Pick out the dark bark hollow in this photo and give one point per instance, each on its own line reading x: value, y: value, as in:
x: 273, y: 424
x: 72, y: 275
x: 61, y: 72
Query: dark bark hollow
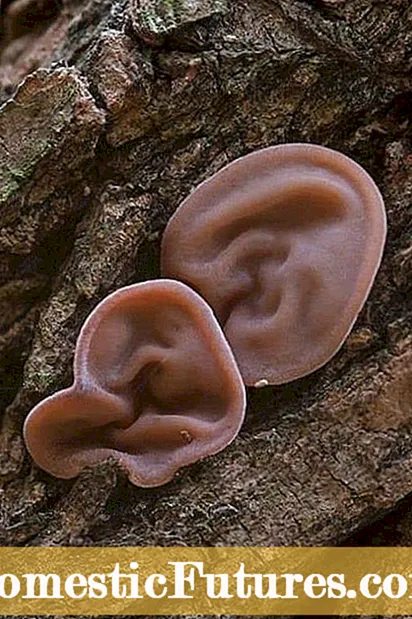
x: 127, y: 106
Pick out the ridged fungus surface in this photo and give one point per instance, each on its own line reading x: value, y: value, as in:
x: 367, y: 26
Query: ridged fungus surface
x: 284, y: 244
x: 155, y: 385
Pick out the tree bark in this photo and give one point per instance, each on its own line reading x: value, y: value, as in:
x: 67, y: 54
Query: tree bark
x: 127, y: 105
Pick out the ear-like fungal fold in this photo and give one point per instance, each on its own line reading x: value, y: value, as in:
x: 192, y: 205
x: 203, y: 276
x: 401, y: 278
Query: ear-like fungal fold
x: 284, y: 244
x: 156, y: 386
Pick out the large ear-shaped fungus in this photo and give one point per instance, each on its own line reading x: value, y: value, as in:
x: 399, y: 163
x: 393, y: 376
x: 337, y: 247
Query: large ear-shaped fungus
x: 284, y: 244
x: 155, y: 385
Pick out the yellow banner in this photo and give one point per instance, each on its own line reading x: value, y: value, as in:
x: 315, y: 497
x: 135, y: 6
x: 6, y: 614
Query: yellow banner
x: 206, y: 581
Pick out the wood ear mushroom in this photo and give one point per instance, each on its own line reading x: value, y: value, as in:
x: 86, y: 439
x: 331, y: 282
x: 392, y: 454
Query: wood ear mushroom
x: 155, y: 385
x: 284, y: 244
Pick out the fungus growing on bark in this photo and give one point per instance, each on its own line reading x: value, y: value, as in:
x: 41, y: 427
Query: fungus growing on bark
x: 155, y: 385
x: 284, y: 244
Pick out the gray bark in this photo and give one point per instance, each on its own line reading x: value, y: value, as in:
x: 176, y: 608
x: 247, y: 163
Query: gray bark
x: 131, y: 104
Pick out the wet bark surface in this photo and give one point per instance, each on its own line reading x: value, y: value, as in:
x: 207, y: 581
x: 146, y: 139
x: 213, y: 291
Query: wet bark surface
x: 124, y: 107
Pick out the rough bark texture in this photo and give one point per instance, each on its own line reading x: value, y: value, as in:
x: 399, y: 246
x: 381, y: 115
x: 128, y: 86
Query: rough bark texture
x: 128, y: 104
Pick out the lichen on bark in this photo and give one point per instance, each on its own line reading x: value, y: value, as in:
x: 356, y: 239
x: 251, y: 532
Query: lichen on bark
x: 162, y: 17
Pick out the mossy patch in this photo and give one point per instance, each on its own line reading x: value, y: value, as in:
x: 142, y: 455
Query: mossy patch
x: 164, y: 16
x: 38, y: 122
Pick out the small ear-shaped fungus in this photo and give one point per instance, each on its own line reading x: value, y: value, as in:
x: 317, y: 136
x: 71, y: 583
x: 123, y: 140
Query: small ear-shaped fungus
x: 155, y: 385
x: 284, y: 244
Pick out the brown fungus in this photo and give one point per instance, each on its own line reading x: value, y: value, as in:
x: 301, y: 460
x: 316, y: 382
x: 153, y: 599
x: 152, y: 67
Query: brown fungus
x: 155, y: 385
x: 284, y: 244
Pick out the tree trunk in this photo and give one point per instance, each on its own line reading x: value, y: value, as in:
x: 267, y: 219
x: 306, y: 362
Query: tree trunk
x: 129, y: 104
